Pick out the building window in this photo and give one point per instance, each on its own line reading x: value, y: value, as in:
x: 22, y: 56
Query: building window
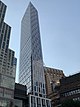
x: 3, y: 45
x: 43, y: 91
x: 38, y: 102
x: 43, y: 103
x: 47, y: 103
x: 34, y: 88
x: 77, y: 91
x: 33, y: 101
x: 36, y: 83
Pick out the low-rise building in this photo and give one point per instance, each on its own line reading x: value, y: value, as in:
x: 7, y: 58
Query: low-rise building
x: 22, y: 99
x: 52, y: 77
x: 70, y: 87
x: 20, y: 95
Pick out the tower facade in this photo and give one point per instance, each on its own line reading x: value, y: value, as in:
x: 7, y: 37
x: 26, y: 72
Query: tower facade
x: 31, y: 71
x: 7, y: 62
x: 31, y: 60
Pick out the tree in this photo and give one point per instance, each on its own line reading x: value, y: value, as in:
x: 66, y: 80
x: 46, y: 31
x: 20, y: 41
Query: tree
x: 70, y: 103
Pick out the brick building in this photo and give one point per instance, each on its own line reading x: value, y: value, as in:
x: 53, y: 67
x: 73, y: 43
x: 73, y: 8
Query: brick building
x: 70, y: 88
x: 52, y: 77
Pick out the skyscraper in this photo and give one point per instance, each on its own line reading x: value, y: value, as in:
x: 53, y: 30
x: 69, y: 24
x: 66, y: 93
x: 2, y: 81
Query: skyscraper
x: 31, y: 61
x: 7, y: 62
x: 31, y: 71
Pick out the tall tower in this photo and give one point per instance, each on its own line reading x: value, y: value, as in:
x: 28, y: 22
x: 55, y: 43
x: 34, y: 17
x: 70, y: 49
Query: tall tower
x: 7, y: 62
x: 31, y: 71
x: 31, y: 60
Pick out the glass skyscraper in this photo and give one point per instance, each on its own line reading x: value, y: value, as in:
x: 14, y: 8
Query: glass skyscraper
x: 7, y: 62
x: 31, y: 61
x: 31, y: 71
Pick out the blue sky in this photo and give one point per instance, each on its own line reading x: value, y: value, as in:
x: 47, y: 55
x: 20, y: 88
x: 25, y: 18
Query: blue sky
x: 59, y: 27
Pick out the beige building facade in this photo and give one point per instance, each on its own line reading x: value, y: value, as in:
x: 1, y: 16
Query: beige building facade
x: 52, y: 80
